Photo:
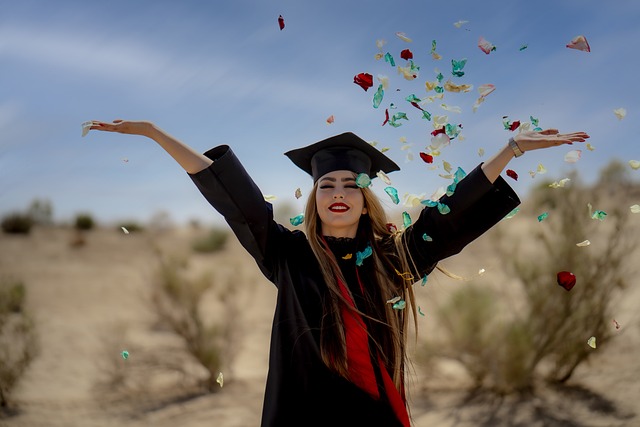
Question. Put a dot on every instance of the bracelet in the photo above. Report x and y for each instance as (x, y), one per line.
(514, 146)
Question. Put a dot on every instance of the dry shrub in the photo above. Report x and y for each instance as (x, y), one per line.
(505, 345)
(18, 341)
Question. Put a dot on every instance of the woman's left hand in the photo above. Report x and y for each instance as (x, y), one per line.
(533, 140)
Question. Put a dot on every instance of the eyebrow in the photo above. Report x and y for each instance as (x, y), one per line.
(328, 178)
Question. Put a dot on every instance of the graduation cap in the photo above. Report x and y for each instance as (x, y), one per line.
(346, 151)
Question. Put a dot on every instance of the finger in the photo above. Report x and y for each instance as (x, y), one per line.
(549, 132)
(117, 121)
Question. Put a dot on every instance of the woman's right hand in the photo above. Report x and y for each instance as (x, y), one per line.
(124, 126)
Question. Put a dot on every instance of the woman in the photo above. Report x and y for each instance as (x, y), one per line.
(338, 344)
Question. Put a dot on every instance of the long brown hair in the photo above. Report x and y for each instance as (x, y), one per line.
(392, 277)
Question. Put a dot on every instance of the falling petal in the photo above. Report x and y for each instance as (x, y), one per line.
(635, 208)
(420, 311)
(572, 156)
(635, 164)
(297, 220)
(360, 256)
(583, 243)
(406, 54)
(330, 119)
(124, 230)
(424, 280)
(383, 176)
(220, 379)
(452, 108)
(590, 147)
(124, 354)
(579, 43)
(403, 37)
(620, 113)
(592, 342)
(427, 158)
(481, 271)
(391, 228)
(559, 184)
(543, 216)
(377, 97)
(388, 58)
(400, 305)
(566, 279)
(406, 219)
(512, 213)
(600, 215)
(485, 46)
(298, 193)
(616, 324)
(427, 238)
(459, 24)
(440, 140)
(347, 256)
(384, 81)
(363, 180)
(393, 193)
(380, 43)
(364, 80)
(523, 47)
(457, 66)
(480, 152)
(86, 127)
(269, 197)
(512, 174)
(394, 300)
(281, 22)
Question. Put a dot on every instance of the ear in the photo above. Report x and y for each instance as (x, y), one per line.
(364, 211)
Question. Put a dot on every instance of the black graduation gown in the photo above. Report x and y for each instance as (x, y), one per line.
(300, 389)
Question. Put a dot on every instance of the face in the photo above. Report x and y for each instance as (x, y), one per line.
(340, 204)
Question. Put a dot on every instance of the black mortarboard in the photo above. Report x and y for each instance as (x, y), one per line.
(346, 151)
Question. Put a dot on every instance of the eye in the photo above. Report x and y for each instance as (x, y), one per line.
(351, 186)
(324, 187)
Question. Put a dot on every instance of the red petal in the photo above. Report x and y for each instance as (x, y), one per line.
(364, 80)
(515, 125)
(426, 157)
(566, 279)
(406, 54)
(391, 227)
(512, 174)
(415, 104)
(281, 22)
(437, 131)
(386, 117)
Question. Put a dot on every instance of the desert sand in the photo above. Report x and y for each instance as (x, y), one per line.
(88, 304)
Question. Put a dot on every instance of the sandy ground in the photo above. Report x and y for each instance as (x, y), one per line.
(89, 303)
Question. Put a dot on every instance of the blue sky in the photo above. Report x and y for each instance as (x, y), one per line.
(215, 73)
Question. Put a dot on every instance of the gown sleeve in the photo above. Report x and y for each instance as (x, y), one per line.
(227, 186)
(475, 206)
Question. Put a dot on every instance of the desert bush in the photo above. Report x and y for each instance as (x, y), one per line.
(214, 241)
(17, 223)
(177, 302)
(84, 221)
(507, 349)
(18, 344)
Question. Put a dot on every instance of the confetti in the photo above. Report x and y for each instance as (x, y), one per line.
(406, 54)
(383, 176)
(298, 193)
(427, 238)
(523, 47)
(620, 113)
(592, 342)
(394, 300)
(559, 184)
(124, 230)
(485, 46)
(391, 228)
(481, 271)
(601, 215)
(393, 193)
(566, 279)
(616, 324)
(281, 22)
(440, 140)
(543, 216)
(403, 37)
(86, 127)
(363, 180)
(377, 97)
(572, 156)
(330, 119)
(512, 174)
(364, 80)
(347, 256)
(424, 280)
(635, 164)
(389, 58)
(297, 220)
(442, 208)
(512, 213)
(406, 219)
(583, 243)
(427, 158)
(420, 311)
(579, 43)
(457, 66)
(269, 197)
(635, 209)
(124, 354)
(400, 305)
(360, 256)
(220, 379)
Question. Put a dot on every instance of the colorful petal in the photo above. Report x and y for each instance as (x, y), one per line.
(393, 193)
(406, 219)
(512, 174)
(330, 119)
(364, 80)
(383, 176)
(635, 164)
(427, 158)
(572, 156)
(400, 305)
(360, 256)
(297, 220)
(281, 22)
(363, 180)
(592, 342)
(620, 113)
(634, 209)
(406, 54)
(583, 244)
(403, 37)
(388, 58)
(459, 24)
(566, 279)
(543, 216)
(559, 184)
(298, 193)
(220, 379)
(377, 97)
(485, 46)
(579, 43)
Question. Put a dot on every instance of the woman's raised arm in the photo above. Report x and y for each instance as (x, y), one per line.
(190, 160)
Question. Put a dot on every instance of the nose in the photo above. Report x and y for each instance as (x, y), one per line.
(338, 193)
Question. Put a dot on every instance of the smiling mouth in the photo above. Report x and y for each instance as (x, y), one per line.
(338, 207)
